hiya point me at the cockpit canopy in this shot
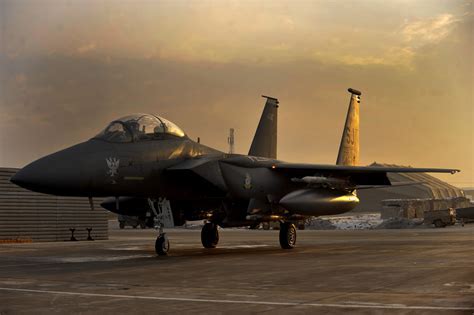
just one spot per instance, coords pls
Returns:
(138, 127)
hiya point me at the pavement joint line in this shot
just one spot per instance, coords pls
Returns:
(359, 305)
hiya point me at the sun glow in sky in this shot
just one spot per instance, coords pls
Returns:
(67, 68)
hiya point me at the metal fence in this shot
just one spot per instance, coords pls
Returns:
(27, 216)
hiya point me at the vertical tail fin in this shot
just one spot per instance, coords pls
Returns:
(349, 147)
(264, 142)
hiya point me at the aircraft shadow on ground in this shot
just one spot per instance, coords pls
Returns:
(186, 253)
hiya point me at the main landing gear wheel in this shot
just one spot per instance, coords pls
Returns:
(162, 245)
(209, 235)
(287, 235)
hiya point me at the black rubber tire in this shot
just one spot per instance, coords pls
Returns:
(143, 225)
(209, 235)
(439, 224)
(287, 235)
(122, 224)
(162, 245)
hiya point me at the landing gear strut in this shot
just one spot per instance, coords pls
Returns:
(209, 235)
(287, 235)
(162, 244)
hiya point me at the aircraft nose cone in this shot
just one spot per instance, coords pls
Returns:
(38, 176)
(24, 178)
(58, 174)
(45, 175)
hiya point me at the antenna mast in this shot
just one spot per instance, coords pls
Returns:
(230, 141)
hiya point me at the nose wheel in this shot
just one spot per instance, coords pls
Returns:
(209, 235)
(287, 235)
(161, 216)
(162, 245)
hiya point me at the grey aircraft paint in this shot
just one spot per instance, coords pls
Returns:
(145, 157)
(264, 142)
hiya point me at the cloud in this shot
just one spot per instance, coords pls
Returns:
(86, 48)
(404, 45)
(391, 56)
(430, 30)
(21, 78)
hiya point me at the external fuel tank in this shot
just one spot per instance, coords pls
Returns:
(315, 202)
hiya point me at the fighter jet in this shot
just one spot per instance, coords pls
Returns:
(148, 164)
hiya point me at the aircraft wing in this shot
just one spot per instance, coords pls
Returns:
(358, 169)
(393, 185)
(358, 175)
(206, 168)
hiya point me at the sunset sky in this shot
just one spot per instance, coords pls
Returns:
(67, 68)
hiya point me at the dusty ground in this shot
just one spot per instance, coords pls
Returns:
(362, 271)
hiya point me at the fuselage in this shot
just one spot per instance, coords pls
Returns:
(98, 168)
(147, 157)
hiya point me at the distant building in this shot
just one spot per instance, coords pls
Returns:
(431, 188)
(469, 192)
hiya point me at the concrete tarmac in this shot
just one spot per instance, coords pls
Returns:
(414, 271)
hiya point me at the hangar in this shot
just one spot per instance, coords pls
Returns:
(26, 216)
(430, 188)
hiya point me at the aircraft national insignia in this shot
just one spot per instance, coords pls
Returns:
(113, 164)
(248, 181)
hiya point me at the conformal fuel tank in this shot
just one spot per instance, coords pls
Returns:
(315, 202)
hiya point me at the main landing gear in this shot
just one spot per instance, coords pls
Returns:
(162, 244)
(287, 235)
(209, 235)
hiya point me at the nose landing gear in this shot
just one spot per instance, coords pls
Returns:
(209, 235)
(162, 215)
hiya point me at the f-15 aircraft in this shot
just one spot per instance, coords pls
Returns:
(146, 162)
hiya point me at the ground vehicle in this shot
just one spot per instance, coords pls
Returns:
(465, 215)
(440, 218)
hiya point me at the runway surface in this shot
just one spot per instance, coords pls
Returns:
(361, 271)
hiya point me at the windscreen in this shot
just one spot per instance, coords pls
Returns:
(139, 127)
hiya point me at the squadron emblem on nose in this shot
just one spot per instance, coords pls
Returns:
(113, 164)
